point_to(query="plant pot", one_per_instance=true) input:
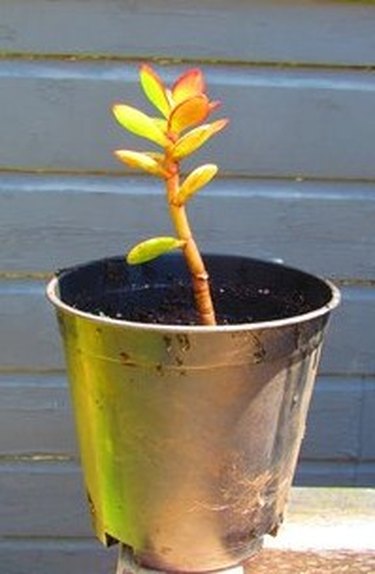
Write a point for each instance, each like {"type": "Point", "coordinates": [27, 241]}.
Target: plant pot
{"type": "Point", "coordinates": [189, 435]}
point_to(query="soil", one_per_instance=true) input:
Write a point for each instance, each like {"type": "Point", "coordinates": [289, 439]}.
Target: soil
{"type": "Point", "coordinates": [243, 291]}
{"type": "Point", "coordinates": [174, 304]}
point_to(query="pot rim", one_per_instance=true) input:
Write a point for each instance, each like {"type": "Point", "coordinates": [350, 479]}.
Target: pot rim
{"type": "Point", "coordinates": [52, 294]}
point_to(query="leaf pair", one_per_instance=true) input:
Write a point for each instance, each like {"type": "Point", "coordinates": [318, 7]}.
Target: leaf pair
{"type": "Point", "coordinates": [184, 146]}
{"type": "Point", "coordinates": [142, 125]}
{"type": "Point", "coordinates": [152, 163]}
{"type": "Point", "coordinates": [188, 85]}
{"type": "Point", "coordinates": [185, 105]}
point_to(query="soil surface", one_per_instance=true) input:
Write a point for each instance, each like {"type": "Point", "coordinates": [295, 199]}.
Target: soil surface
{"type": "Point", "coordinates": [243, 291]}
{"type": "Point", "coordinates": [174, 304]}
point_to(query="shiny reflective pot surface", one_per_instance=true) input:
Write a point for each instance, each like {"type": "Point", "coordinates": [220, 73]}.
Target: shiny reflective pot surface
{"type": "Point", "coordinates": [189, 436]}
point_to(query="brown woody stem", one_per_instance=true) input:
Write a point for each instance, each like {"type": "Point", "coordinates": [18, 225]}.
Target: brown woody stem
{"type": "Point", "coordinates": [200, 278]}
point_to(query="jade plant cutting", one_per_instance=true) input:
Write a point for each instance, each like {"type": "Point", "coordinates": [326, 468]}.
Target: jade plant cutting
{"type": "Point", "coordinates": [180, 130]}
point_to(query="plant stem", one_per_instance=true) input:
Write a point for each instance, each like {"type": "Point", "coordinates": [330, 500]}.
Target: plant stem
{"type": "Point", "coordinates": [200, 278]}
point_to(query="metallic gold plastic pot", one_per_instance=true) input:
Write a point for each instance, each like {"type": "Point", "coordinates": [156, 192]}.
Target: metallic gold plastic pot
{"type": "Point", "coordinates": [189, 436]}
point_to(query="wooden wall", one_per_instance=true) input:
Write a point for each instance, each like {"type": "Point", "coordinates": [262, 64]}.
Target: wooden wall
{"type": "Point", "coordinates": [297, 183]}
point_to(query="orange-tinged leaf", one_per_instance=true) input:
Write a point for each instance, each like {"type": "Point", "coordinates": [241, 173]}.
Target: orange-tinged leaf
{"type": "Point", "coordinates": [189, 113]}
{"type": "Point", "coordinates": [152, 248]}
{"type": "Point", "coordinates": [196, 180]}
{"type": "Point", "coordinates": [139, 123]}
{"type": "Point", "coordinates": [154, 89]}
{"type": "Point", "coordinates": [143, 161]}
{"type": "Point", "coordinates": [189, 84]}
{"type": "Point", "coordinates": [194, 139]}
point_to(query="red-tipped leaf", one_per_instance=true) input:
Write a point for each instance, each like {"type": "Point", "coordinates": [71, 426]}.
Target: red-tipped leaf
{"type": "Point", "coordinates": [189, 84]}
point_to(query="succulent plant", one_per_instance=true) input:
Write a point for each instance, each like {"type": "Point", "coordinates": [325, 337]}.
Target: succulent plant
{"type": "Point", "coordinates": [180, 130]}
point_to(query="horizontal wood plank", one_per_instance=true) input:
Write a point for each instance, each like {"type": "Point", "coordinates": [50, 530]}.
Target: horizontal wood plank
{"type": "Point", "coordinates": [257, 30]}
{"type": "Point", "coordinates": [29, 339]}
{"type": "Point", "coordinates": [36, 419]}
{"type": "Point", "coordinates": [334, 425]}
{"type": "Point", "coordinates": [59, 556]}
{"type": "Point", "coordinates": [56, 221]}
{"type": "Point", "coordinates": [47, 500]}
{"type": "Point", "coordinates": [351, 334]}
{"type": "Point", "coordinates": [335, 473]}
{"type": "Point", "coordinates": [290, 123]}
{"type": "Point", "coordinates": [42, 500]}
{"type": "Point", "coordinates": [368, 423]}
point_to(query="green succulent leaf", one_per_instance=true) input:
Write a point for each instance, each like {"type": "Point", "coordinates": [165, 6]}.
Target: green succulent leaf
{"type": "Point", "coordinates": [194, 139]}
{"type": "Point", "coordinates": [198, 178]}
{"type": "Point", "coordinates": [149, 162]}
{"type": "Point", "coordinates": [162, 124]}
{"type": "Point", "coordinates": [155, 89]}
{"type": "Point", "coordinates": [153, 248]}
{"type": "Point", "coordinates": [140, 124]}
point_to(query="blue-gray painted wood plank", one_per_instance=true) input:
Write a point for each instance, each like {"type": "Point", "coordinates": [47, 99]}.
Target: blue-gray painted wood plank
{"type": "Point", "coordinates": [367, 438]}
{"type": "Point", "coordinates": [56, 221]}
{"type": "Point", "coordinates": [28, 335]}
{"type": "Point", "coordinates": [47, 500]}
{"type": "Point", "coordinates": [256, 30]}
{"type": "Point", "coordinates": [30, 340]}
{"type": "Point", "coordinates": [36, 419]}
{"type": "Point", "coordinates": [311, 123]}
{"type": "Point", "coordinates": [42, 500]}
{"type": "Point", "coordinates": [335, 473]}
{"type": "Point", "coordinates": [334, 424]}
{"type": "Point", "coordinates": [60, 556]}
{"type": "Point", "coordinates": [350, 341]}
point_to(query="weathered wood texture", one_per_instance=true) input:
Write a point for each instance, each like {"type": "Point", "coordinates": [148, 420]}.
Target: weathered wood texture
{"type": "Point", "coordinates": [60, 556]}
{"type": "Point", "coordinates": [284, 122]}
{"type": "Point", "coordinates": [329, 32]}
{"type": "Point", "coordinates": [297, 183]}
{"type": "Point", "coordinates": [50, 221]}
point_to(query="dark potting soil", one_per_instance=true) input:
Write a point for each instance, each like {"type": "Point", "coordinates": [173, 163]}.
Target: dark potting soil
{"type": "Point", "coordinates": [174, 304]}
{"type": "Point", "coordinates": [161, 292]}
{"type": "Point", "coordinates": [233, 305]}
